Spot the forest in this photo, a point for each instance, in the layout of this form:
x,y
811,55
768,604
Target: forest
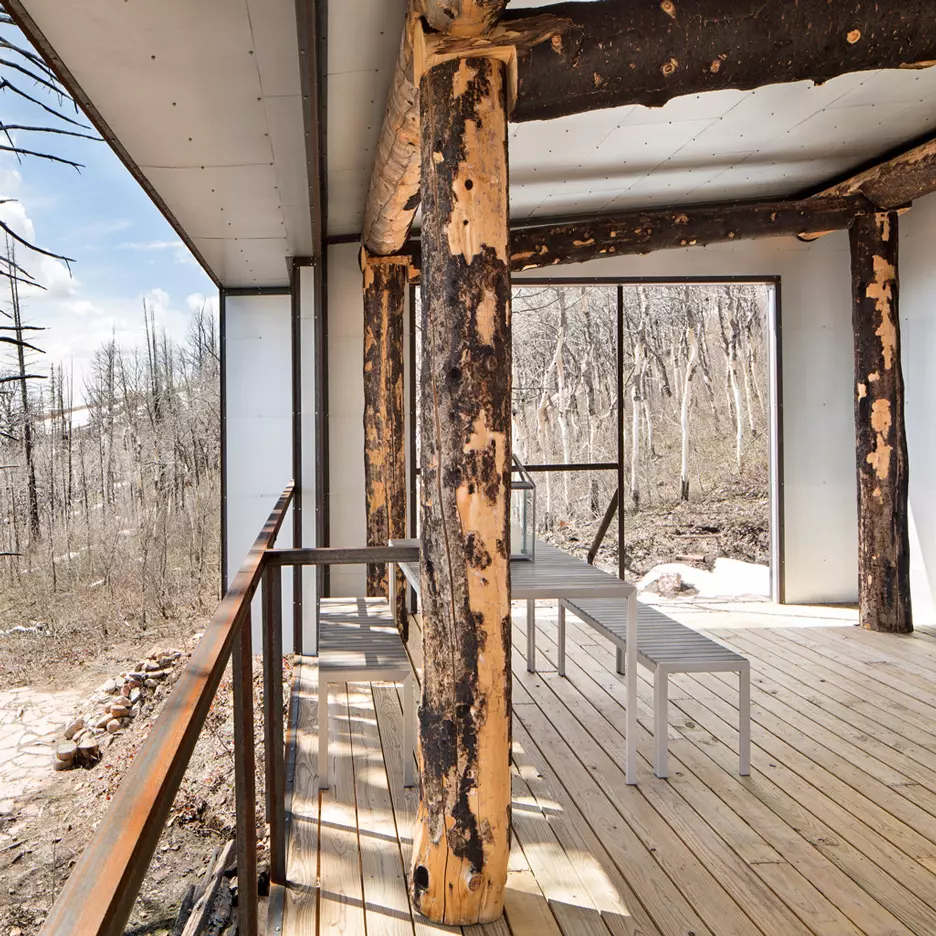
x,y
696,415
109,491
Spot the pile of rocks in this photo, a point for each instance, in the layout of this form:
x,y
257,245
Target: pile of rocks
x,y
111,709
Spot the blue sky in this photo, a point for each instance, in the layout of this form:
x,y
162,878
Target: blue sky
x,y
124,249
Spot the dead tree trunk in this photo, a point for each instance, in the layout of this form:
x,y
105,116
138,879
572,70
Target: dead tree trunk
x,y
384,429
883,539
691,363
461,839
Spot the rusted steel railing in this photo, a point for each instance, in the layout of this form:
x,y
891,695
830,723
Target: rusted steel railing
x,y
100,893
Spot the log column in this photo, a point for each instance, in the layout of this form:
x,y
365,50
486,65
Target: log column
x,y
461,839
385,280
883,542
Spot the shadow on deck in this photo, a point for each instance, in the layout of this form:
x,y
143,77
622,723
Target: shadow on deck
x,y
833,833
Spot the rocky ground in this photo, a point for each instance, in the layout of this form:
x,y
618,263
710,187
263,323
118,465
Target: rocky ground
x,y
48,814
735,526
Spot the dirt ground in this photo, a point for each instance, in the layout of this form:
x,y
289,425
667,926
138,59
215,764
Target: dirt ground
x,y
43,831
736,526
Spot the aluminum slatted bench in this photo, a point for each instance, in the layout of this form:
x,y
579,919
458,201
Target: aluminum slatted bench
x,y
664,646
359,642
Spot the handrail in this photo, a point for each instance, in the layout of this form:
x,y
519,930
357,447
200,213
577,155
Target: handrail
x,y
101,890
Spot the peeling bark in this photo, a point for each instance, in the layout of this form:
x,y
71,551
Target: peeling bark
x,y
642,232
385,284
615,53
462,17
883,537
461,838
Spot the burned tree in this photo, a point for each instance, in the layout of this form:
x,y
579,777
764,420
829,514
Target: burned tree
x,y
385,281
461,839
883,538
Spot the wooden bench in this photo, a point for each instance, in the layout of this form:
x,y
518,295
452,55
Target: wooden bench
x,y
664,646
359,642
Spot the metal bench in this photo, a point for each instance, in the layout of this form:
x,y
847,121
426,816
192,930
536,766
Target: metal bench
x,y
664,646
359,642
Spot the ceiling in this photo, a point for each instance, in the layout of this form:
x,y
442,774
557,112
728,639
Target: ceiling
x,y
215,125
204,99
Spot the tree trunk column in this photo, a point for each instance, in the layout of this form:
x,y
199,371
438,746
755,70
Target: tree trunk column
x,y
385,282
461,840
883,543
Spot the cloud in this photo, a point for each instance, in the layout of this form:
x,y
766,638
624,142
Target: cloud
x,y
196,301
180,252
51,273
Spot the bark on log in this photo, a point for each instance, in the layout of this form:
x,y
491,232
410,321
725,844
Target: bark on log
x,y
393,196
462,17
646,231
616,53
896,182
461,840
883,539
385,282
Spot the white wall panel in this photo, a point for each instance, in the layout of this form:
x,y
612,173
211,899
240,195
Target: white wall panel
x,y
346,413
257,430
918,325
820,516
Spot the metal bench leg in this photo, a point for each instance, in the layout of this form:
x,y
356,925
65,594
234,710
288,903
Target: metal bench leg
x,y
391,591
620,662
323,734
660,720
630,762
744,723
560,658
531,635
409,720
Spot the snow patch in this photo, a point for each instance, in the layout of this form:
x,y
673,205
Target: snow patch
x,y
731,578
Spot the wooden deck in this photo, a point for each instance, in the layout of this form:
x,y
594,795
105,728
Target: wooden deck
x,y
833,834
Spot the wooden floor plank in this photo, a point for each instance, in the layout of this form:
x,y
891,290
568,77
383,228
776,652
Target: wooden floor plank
x,y
302,808
800,852
623,914
834,834
706,841
405,799
341,901
386,904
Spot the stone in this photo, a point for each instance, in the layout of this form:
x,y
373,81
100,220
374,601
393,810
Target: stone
x,y
109,687
151,665
125,690
74,728
89,752
62,765
135,696
158,674
151,683
119,711
114,725
103,720
66,751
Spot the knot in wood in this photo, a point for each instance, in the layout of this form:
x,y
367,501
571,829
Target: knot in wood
x,y
715,66
669,67
853,36
669,8
474,882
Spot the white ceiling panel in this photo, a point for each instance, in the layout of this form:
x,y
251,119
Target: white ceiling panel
x,y
205,99
223,201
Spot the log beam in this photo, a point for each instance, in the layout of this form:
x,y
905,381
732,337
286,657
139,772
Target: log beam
x,y
615,53
385,282
641,232
895,182
461,838
609,54
462,17
883,539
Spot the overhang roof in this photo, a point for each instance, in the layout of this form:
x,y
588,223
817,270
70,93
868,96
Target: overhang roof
x,y
205,102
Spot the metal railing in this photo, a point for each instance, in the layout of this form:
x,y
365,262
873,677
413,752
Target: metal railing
x,y
98,897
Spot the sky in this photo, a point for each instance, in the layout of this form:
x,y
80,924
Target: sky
x,y
125,252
